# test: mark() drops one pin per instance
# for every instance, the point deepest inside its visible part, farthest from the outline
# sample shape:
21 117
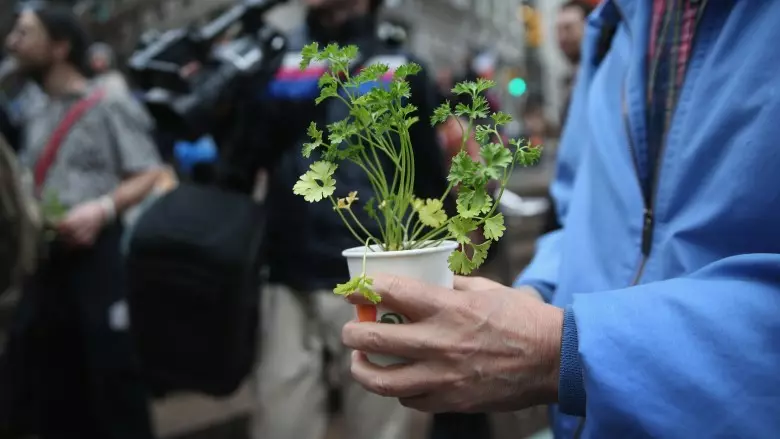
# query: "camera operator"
302 318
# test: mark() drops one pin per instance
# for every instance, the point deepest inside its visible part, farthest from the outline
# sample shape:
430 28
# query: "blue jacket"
683 342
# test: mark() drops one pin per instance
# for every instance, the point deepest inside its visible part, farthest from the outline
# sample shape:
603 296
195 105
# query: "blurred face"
30 45
99 63
570 27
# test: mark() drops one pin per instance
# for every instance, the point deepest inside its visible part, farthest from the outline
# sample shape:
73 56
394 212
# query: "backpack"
193 270
19 232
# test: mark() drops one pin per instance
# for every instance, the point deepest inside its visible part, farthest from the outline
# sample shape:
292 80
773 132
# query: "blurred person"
302 319
662 285
535 124
19 98
570 29
102 62
72 364
17 223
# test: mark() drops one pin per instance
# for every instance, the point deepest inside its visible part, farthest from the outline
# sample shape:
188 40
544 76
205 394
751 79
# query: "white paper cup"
428 264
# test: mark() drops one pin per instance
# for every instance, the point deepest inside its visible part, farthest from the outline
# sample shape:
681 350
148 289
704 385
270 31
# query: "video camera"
188 76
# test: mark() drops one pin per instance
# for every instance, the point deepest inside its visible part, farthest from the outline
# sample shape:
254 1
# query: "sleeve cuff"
571 388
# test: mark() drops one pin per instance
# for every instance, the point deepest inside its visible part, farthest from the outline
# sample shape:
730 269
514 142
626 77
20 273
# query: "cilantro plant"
378 126
52 208
53 211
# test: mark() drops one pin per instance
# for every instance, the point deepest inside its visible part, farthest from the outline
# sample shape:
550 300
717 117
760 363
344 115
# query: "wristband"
109 208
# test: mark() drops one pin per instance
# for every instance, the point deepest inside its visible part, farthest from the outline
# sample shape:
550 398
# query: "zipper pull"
647 232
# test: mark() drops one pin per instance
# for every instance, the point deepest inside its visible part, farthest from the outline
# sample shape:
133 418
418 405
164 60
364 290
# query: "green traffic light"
517 87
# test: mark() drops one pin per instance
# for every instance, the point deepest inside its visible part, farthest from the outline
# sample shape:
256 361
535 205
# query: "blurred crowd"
156 246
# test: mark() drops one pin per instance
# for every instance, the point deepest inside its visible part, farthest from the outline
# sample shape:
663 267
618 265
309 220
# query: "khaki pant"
292 387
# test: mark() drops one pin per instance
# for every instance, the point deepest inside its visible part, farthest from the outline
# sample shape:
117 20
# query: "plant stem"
435 232
344 219
417 230
357 221
376 182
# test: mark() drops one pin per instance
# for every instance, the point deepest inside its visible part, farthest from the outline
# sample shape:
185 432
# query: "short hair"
62 25
586 8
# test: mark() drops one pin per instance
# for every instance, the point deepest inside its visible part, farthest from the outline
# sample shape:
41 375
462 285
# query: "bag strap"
74 114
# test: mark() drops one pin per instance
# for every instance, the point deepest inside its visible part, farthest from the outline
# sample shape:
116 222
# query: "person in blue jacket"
663 284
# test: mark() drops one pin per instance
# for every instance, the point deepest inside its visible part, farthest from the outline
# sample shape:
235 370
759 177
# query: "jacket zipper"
648 215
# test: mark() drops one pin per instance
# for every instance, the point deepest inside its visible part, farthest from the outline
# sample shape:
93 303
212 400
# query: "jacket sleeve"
708 345
542 272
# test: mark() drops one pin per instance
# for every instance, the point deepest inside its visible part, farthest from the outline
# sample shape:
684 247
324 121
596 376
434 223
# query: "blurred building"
443 30
121 22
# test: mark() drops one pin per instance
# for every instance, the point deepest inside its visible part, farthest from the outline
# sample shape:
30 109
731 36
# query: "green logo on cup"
392 318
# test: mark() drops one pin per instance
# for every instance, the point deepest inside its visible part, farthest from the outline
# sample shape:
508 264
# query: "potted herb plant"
417 238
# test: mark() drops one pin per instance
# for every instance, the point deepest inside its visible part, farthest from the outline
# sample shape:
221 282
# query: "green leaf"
462 168
501 118
349 53
316 137
484 85
473 201
400 89
460 228
405 70
496 158
482 134
479 108
53 210
526 154
341 131
463 88
460 263
308 54
441 113
480 254
370 73
431 212
317 183
360 284
326 92
327 80
462 110
529 157
494 227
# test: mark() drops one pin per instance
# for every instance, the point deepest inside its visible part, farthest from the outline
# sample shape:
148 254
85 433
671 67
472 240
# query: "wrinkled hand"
82 224
480 347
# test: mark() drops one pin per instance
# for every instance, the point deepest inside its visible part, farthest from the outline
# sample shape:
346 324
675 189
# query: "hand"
480 347
83 224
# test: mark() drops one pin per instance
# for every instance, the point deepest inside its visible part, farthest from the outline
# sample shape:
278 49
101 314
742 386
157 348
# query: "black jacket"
305 240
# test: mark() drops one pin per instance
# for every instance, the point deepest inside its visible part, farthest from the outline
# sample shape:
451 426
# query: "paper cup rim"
359 252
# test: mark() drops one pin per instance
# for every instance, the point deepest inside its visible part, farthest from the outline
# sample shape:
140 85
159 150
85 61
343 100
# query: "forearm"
134 189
